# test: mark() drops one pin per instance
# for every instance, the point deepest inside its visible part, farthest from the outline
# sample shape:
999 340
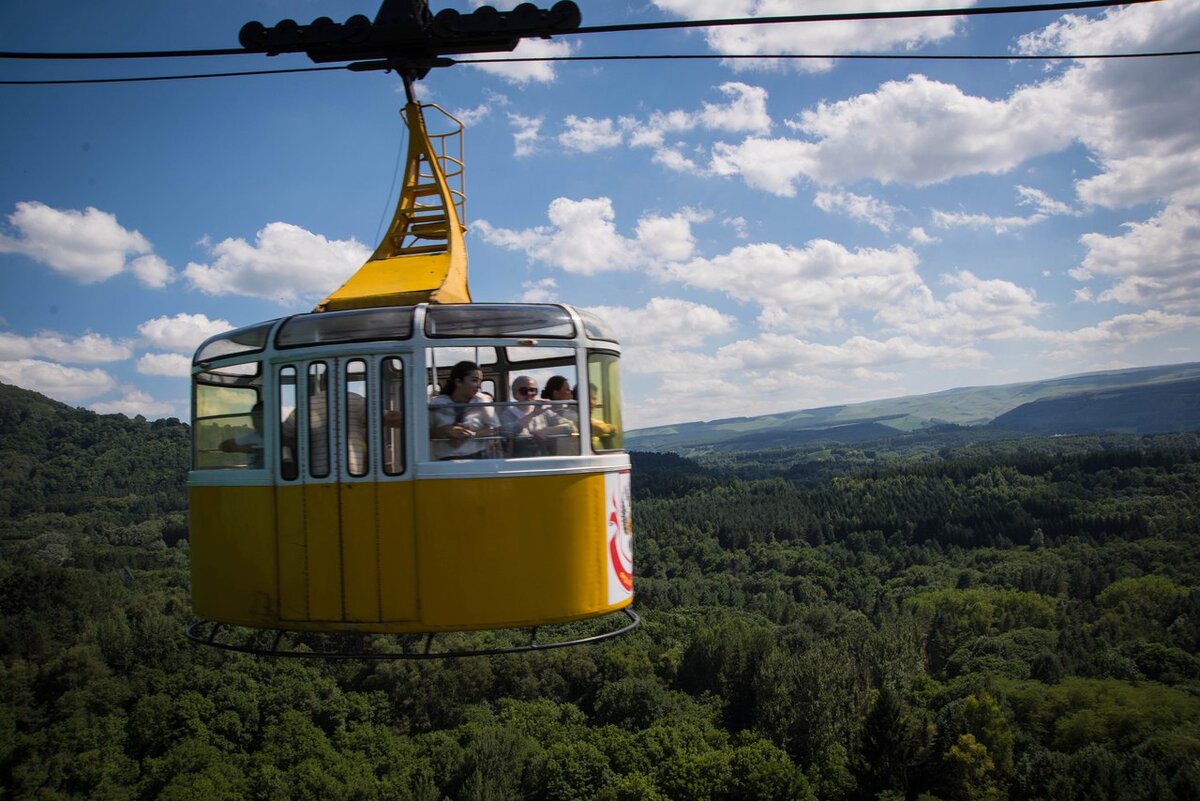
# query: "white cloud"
182 333
1045 206
132 403
582 237
526 134
87 349
810 287
1155 263
665 323
739 226
865 208
588 135
152 271
285 264
169 364
544 290
69 384
522 73
1137 116
1117 333
813 37
745 111
976 309
962 219
921 237
473 116
88 245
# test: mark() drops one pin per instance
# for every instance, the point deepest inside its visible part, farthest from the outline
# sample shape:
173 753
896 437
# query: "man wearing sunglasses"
522 421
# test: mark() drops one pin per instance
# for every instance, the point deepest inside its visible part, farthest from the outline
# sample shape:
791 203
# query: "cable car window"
318 420
288 448
445 358
391 407
566 355
357 457
228 418
594 327
356 325
241 340
604 401
509 320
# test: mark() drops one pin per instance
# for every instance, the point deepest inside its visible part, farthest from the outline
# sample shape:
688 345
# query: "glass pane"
596 328
468 430
241 340
288 449
357 325
604 401
507 320
318 420
567 355
391 405
356 418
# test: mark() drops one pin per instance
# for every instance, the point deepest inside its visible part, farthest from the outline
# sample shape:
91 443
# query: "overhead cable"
648 26
663 57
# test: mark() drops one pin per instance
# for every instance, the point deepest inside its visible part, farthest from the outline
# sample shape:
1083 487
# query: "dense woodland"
930 617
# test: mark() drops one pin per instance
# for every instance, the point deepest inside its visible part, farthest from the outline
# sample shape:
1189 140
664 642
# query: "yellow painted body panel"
431 555
232 538
405 281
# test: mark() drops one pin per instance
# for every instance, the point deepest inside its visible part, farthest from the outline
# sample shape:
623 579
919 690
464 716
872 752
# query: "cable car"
329 495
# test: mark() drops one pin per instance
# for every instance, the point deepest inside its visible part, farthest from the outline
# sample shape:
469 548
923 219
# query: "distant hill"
55 458
1138 400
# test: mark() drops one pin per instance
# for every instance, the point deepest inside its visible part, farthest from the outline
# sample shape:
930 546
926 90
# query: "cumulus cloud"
583 238
588 135
69 384
813 37
152 271
975 309
526 134
810 287
181 333
285 263
1116 334
523 73
544 290
746 112
89 245
665 323
132 403
1153 263
87 349
918 131
864 208
1137 117
1044 205
169 364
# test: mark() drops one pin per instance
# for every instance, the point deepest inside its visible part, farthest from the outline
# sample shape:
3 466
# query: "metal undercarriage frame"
350 645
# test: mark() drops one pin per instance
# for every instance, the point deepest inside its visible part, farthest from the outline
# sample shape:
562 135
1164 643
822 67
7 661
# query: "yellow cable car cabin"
323 497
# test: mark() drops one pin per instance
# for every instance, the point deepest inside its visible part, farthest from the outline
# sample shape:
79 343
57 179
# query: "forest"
935 617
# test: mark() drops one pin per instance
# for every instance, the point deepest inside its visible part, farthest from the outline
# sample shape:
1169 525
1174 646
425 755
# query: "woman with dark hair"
558 388
462 422
560 418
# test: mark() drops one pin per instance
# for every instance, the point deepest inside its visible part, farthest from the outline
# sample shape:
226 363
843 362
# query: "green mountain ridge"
1152 399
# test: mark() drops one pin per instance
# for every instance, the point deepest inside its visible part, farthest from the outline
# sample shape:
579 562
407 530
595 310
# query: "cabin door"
346 515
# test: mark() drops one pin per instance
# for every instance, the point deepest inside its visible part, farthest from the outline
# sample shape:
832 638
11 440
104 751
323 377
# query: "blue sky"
765 236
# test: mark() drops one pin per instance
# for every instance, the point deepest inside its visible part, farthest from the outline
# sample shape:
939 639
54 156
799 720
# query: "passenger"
522 422
602 430
250 442
462 422
562 417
